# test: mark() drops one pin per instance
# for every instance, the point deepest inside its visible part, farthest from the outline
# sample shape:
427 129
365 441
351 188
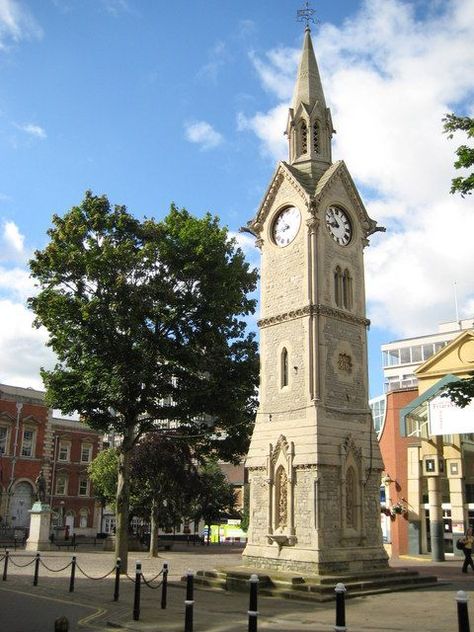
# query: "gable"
457 358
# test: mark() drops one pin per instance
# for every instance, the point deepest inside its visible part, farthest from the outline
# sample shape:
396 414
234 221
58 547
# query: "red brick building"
31 441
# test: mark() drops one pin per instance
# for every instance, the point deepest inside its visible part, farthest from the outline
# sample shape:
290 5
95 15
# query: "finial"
306 15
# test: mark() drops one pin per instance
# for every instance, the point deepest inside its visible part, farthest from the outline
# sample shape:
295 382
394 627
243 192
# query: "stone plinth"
40 521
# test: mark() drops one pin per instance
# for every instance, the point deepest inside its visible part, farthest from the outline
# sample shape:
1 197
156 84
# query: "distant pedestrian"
468 541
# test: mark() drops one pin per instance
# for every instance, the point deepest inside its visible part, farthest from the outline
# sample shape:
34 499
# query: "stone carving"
281 446
282 499
350 492
344 363
313 309
350 445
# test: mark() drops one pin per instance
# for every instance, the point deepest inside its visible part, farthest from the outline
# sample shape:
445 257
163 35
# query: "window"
83 486
3 439
284 367
83 517
338 286
347 289
27 445
86 452
61 485
416 354
64 451
303 138
351 498
316 138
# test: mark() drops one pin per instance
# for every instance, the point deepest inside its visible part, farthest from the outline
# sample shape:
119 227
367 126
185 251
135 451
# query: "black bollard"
340 608
463 614
37 566
118 563
5 565
252 611
136 600
189 602
164 586
61 625
73 574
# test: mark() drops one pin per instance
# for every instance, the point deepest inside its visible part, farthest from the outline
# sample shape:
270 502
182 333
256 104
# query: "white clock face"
339 225
286 226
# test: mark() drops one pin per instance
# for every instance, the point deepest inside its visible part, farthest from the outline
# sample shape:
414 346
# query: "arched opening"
303 138
347 289
284 367
316 138
20 504
338 286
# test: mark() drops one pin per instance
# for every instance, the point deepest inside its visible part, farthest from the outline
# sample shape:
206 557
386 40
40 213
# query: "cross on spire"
306 14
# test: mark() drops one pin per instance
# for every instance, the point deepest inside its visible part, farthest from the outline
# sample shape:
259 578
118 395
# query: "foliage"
215 494
103 472
245 519
464 153
461 392
147 322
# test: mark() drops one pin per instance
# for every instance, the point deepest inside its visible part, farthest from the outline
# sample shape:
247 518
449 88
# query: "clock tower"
314 464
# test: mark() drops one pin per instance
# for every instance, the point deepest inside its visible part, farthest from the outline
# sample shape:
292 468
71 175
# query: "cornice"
323 310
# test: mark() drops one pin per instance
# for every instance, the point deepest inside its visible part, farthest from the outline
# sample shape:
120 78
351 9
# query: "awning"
418 408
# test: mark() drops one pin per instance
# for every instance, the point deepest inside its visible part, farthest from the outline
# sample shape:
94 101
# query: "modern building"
32 440
401 358
427 445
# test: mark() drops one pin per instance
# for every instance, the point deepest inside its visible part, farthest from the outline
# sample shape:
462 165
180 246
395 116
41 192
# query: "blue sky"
152 102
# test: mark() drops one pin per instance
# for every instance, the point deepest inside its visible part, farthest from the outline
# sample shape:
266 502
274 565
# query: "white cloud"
203 134
218 57
12 243
22 348
16 24
32 129
389 77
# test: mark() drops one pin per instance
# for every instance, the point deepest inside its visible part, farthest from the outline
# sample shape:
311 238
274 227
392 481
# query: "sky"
153 102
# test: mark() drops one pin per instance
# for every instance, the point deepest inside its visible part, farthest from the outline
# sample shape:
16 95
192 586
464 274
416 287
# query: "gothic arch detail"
303 138
316 137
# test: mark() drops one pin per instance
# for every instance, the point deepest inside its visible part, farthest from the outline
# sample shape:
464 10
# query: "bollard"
5 566
164 586
189 602
340 608
117 579
37 565
73 574
61 625
136 600
252 611
463 615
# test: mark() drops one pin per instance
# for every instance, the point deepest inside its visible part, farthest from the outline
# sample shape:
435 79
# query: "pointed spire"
308 87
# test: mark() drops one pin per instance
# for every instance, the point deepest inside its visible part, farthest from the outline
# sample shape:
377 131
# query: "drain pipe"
15 448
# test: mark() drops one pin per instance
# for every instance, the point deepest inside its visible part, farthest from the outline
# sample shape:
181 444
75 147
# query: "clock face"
339 225
286 226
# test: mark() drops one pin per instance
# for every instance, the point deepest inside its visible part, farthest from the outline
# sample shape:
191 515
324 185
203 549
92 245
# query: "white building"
401 358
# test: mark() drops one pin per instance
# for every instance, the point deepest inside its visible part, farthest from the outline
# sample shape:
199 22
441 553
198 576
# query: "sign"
447 418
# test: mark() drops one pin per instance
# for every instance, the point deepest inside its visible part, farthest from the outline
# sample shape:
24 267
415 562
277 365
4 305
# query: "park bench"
10 537
73 541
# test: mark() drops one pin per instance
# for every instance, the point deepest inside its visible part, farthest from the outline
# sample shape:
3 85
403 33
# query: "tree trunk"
154 530
123 496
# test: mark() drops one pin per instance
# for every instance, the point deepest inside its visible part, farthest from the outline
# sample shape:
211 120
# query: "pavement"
91 606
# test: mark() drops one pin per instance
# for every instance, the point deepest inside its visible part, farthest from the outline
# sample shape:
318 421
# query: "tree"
214 496
147 322
465 154
164 480
461 392
103 475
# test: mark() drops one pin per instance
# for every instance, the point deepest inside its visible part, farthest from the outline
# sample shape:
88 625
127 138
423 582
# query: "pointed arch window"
284 367
347 289
338 286
316 137
303 138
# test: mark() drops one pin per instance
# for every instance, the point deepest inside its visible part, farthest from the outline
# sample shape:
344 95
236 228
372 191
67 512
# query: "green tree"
103 472
465 154
461 392
164 480
214 496
147 320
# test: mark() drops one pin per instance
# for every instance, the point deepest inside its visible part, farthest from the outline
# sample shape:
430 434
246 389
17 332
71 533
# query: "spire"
309 127
308 88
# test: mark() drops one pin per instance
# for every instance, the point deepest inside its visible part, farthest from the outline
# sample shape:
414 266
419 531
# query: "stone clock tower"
314 463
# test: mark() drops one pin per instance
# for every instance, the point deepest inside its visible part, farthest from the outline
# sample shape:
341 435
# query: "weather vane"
306 14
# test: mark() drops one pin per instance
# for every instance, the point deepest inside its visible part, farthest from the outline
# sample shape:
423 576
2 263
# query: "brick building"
33 440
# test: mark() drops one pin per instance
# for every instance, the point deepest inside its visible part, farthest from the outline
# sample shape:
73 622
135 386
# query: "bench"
6 543
74 541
